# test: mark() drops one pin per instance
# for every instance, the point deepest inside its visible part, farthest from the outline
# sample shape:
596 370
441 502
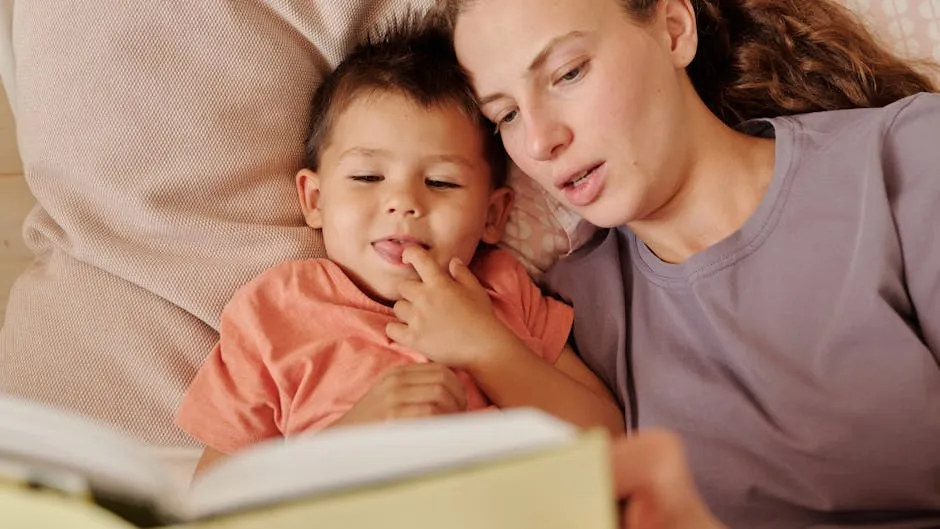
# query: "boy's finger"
439 397
398 333
403 310
461 274
427 269
409 289
434 374
453 384
415 411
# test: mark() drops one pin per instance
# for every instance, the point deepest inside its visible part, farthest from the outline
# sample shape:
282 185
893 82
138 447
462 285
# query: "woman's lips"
586 189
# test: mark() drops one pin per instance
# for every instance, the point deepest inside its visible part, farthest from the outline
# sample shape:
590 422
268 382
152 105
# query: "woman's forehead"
526 17
502 38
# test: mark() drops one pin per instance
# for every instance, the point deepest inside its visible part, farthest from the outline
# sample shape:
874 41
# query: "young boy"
406 184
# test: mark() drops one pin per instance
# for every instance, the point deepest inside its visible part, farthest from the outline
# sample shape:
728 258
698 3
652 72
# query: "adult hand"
446 315
408 391
652 475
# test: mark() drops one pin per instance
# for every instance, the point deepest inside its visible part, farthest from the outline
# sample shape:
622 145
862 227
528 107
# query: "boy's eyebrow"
366 152
538 61
455 159
363 151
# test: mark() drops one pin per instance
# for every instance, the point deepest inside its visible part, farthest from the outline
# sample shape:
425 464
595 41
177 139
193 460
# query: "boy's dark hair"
414 57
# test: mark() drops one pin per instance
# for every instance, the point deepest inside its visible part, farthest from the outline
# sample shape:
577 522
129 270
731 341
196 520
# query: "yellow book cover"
492 470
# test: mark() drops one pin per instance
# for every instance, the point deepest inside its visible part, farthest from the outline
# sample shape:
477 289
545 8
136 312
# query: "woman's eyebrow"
538 61
543 55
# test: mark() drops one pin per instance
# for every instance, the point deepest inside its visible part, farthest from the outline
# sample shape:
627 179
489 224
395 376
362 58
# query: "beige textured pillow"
160 139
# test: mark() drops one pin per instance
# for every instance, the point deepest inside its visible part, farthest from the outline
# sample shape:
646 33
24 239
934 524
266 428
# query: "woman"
768 288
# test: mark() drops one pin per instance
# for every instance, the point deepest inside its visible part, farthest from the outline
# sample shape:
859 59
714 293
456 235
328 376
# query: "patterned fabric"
539 229
910 27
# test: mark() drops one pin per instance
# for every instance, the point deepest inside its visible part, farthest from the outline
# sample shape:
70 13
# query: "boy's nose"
403 210
403 203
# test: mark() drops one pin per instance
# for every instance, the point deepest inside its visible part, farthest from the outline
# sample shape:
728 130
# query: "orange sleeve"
234 401
546 320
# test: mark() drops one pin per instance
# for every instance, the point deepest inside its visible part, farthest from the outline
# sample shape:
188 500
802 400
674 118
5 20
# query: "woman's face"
589 102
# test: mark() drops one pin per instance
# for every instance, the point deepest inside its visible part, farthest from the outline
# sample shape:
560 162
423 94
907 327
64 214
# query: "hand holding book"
651 473
498 470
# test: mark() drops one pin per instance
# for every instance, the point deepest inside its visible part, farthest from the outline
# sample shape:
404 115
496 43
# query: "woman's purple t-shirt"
799 358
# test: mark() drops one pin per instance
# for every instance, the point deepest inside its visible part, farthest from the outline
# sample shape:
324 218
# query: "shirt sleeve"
234 401
546 321
912 158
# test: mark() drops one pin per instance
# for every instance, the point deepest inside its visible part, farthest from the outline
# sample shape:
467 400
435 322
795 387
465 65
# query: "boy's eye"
368 178
572 75
440 184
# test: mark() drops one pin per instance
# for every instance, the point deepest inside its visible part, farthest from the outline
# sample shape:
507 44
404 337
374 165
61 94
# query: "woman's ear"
678 17
497 213
308 192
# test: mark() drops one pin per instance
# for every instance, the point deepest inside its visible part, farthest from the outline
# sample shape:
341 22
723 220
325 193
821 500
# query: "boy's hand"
413 390
447 315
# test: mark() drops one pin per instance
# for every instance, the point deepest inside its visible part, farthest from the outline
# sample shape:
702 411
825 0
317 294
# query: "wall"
15 203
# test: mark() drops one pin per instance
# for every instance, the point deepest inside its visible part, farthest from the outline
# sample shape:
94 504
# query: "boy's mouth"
392 248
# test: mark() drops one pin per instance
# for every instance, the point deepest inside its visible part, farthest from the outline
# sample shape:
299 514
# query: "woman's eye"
440 184
507 118
573 74
368 178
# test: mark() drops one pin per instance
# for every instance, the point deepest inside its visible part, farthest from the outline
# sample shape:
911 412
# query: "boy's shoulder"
286 278
500 271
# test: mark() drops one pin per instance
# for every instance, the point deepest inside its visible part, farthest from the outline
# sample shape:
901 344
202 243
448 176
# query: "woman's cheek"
513 143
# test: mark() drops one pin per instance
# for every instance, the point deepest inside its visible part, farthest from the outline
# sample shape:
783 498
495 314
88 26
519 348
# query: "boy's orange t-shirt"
301 344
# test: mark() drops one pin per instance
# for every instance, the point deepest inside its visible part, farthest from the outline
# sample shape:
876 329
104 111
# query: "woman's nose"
546 137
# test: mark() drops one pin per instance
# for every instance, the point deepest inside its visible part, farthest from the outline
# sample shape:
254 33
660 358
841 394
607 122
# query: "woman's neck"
725 175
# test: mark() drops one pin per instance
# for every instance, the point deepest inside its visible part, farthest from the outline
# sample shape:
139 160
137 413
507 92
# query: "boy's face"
395 174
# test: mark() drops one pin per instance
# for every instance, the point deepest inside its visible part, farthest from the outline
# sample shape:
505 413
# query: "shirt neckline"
746 239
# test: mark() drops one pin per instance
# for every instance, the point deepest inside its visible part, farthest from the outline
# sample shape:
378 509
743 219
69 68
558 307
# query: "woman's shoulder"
600 261
914 127
905 130
923 107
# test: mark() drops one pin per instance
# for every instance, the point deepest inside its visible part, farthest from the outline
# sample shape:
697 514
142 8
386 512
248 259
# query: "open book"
45 448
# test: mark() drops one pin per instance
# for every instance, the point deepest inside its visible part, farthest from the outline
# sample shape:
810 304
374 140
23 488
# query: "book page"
340 459
42 439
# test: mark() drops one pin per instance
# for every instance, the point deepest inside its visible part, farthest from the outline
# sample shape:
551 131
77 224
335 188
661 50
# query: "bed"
159 140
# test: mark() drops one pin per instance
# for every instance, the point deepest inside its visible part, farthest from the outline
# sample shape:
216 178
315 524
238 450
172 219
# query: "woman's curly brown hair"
764 58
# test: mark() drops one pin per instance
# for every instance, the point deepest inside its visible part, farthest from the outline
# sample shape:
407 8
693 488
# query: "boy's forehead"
371 97
376 120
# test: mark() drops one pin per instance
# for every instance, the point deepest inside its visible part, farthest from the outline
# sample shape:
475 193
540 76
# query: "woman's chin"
604 217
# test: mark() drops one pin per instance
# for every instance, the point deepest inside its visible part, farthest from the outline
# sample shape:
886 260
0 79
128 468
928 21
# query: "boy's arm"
512 376
447 316
210 457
